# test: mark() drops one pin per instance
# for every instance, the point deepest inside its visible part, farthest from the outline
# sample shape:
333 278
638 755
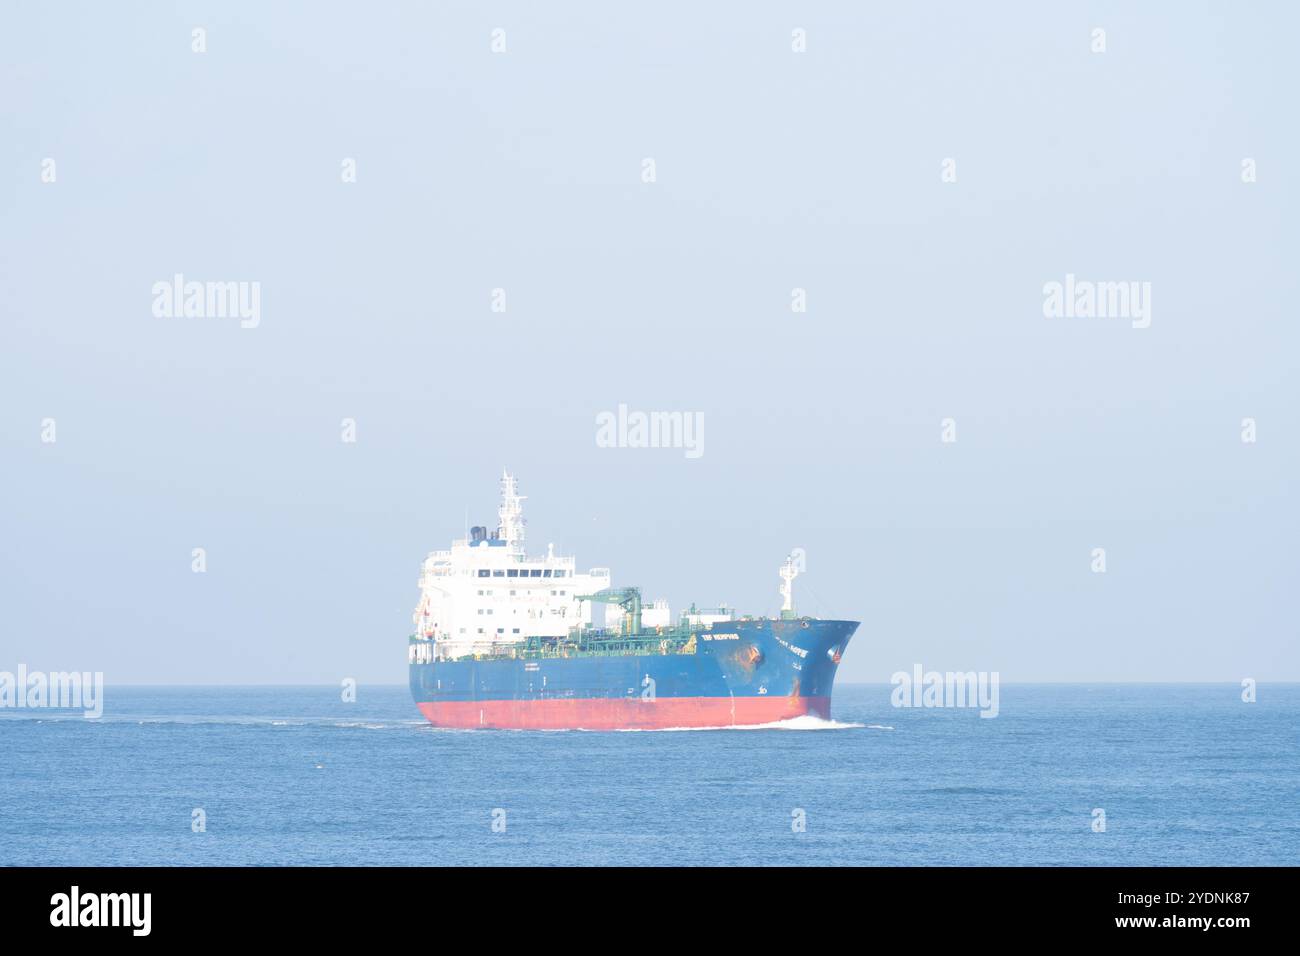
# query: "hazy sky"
774 170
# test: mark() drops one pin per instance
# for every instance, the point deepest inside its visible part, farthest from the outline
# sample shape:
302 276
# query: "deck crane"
629 599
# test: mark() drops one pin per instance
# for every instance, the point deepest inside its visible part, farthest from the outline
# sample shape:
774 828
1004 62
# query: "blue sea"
1185 774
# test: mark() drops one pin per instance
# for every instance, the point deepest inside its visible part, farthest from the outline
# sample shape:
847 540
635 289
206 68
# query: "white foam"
803 722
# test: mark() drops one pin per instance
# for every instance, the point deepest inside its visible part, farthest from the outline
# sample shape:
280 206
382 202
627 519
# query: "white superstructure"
488 591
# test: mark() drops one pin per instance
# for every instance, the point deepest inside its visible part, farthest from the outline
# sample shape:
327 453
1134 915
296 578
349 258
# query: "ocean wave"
225 720
804 722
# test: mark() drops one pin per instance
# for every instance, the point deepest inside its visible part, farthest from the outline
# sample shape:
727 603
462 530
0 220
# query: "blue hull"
741 672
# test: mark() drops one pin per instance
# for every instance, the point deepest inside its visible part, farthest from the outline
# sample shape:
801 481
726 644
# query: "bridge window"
512 573
559 574
483 572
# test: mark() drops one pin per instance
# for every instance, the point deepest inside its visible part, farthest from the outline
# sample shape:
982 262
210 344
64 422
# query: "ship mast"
511 513
789 571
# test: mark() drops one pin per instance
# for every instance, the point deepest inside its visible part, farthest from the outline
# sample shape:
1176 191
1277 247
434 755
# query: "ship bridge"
486 590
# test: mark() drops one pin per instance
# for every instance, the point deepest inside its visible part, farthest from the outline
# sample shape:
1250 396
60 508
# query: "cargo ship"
504 639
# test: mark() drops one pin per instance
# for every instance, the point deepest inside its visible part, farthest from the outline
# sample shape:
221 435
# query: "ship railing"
612 646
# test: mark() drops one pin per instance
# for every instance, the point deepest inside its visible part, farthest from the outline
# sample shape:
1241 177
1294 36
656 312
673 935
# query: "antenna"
511 513
789 571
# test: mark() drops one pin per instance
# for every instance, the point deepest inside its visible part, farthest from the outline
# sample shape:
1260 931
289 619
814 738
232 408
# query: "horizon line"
1235 682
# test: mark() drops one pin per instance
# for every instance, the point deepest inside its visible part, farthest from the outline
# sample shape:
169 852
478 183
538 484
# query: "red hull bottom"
622 714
